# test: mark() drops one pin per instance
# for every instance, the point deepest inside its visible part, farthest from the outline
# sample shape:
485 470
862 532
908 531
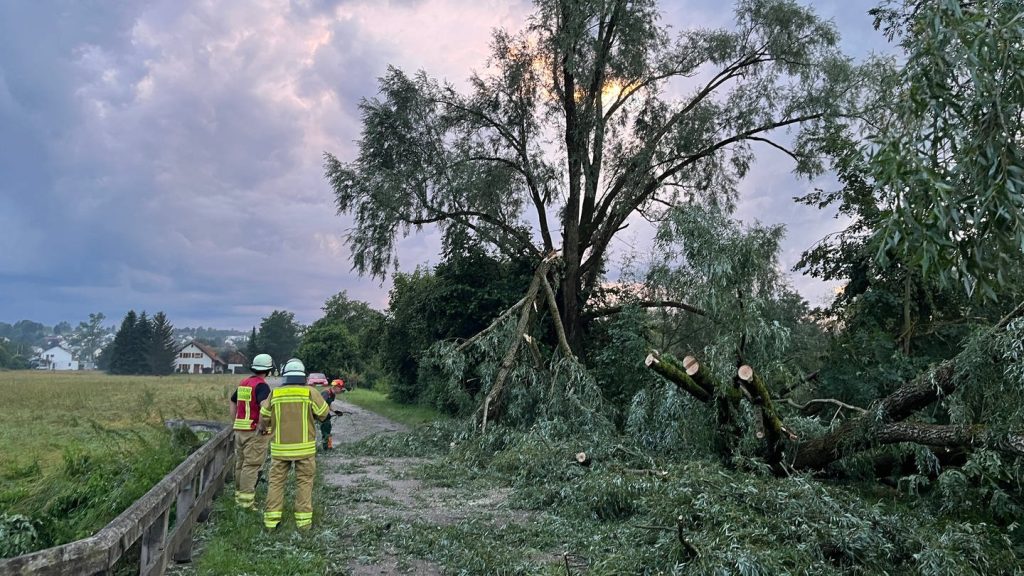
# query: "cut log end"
583 459
746 373
691 365
651 360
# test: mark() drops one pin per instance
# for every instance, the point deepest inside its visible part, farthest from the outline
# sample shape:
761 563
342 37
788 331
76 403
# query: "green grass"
44 413
78 448
379 403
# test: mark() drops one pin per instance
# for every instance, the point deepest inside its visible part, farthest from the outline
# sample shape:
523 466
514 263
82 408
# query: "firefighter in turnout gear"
329 394
289 416
250 444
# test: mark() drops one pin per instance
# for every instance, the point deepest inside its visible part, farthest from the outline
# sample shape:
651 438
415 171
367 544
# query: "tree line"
142 345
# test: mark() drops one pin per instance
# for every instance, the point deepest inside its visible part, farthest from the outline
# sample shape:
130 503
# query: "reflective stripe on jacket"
247 407
290 413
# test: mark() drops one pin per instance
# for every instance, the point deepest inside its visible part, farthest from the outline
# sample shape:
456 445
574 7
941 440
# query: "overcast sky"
167 154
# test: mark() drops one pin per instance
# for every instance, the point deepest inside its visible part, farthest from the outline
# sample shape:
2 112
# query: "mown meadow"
76 449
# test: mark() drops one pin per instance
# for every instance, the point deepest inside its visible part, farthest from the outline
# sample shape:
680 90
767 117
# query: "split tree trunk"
491 406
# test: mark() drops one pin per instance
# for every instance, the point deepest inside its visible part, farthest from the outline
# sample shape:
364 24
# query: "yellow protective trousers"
305 470
250 452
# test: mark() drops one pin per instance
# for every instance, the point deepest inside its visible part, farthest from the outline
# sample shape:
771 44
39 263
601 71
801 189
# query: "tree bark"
491 405
677 376
771 423
695 370
853 436
882 424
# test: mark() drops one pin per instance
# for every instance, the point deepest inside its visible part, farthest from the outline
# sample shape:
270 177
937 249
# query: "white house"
57 358
196 358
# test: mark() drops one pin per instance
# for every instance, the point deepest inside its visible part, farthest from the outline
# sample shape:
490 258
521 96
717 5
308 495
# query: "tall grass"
76 449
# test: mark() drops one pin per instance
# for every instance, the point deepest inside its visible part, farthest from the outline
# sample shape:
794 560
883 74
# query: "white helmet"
294 367
262 363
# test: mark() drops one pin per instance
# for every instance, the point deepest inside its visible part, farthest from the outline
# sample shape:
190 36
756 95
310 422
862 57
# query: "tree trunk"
569 307
726 398
882 425
492 402
770 424
855 435
680 378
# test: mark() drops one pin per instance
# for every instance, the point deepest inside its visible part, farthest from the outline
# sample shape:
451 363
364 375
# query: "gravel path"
389 487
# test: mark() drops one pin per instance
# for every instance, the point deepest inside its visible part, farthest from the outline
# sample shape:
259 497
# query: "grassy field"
44 413
76 449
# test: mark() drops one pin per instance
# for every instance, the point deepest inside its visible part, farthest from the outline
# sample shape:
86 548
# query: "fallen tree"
690 377
885 423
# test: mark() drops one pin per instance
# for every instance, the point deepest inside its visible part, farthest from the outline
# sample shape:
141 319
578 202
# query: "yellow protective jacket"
290 414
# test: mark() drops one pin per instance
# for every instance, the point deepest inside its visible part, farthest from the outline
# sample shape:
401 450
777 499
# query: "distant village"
28 344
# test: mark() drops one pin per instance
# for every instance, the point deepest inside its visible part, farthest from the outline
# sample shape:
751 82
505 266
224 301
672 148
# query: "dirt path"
382 490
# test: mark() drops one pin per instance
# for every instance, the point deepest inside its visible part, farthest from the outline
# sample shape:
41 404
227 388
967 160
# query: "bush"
18 535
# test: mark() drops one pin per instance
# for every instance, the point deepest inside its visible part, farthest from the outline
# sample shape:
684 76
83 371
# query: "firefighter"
250 444
289 416
329 394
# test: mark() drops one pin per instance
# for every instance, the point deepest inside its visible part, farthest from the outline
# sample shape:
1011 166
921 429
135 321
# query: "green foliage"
141 346
89 335
119 361
328 348
252 346
163 347
9 357
24 332
730 271
947 156
459 298
345 342
18 535
91 486
626 513
278 336
661 419
479 165
741 306
441 379
408 331
616 349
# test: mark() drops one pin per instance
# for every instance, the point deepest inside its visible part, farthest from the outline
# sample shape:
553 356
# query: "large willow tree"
590 115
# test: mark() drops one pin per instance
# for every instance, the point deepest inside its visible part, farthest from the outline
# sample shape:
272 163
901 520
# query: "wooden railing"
189 489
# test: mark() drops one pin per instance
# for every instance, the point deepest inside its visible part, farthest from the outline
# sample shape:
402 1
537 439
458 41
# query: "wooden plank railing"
190 488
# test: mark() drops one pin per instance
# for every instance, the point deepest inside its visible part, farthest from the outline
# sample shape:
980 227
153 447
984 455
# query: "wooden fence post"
151 549
186 500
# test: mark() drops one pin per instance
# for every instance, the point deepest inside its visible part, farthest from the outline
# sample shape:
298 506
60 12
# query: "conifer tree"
163 346
120 359
251 349
140 344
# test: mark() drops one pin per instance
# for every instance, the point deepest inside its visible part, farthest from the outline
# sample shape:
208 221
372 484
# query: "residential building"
237 363
198 358
57 358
